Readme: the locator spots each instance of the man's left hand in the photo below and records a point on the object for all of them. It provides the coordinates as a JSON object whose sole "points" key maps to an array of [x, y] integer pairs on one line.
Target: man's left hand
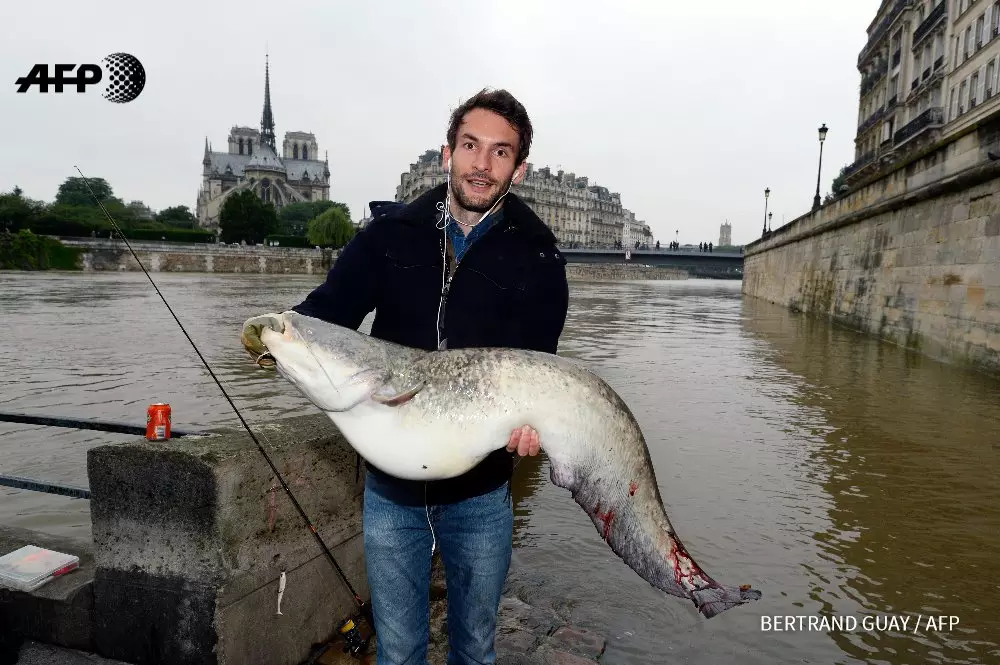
{"points": [[524, 440]]}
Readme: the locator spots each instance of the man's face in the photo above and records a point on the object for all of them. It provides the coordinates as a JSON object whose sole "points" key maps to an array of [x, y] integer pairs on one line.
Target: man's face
{"points": [[483, 162]]}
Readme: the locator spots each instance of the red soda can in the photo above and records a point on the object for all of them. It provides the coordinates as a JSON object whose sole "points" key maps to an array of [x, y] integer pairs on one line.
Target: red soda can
{"points": [[158, 422]]}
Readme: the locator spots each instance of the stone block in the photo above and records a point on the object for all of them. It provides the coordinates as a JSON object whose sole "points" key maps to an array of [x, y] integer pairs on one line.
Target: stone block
{"points": [[557, 657], [992, 226], [191, 535], [36, 653], [579, 641], [60, 612]]}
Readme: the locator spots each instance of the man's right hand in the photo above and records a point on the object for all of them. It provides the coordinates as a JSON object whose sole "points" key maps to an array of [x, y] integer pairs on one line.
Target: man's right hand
{"points": [[250, 337]]}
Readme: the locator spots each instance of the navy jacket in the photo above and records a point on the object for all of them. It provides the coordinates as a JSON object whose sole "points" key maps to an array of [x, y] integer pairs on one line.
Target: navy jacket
{"points": [[509, 290]]}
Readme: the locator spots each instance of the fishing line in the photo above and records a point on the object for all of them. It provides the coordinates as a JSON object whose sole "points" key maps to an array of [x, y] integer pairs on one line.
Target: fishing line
{"points": [[365, 609]]}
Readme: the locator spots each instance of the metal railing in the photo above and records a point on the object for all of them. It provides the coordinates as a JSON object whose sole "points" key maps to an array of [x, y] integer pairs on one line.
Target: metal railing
{"points": [[870, 122], [862, 161], [879, 32], [929, 23], [932, 117]]}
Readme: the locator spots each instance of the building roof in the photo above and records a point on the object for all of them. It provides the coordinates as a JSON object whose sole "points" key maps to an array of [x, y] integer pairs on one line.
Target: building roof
{"points": [[294, 168], [265, 159]]}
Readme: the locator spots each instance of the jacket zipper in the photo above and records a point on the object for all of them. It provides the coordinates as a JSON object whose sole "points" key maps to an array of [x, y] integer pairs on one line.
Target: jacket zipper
{"points": [[449, 276]]}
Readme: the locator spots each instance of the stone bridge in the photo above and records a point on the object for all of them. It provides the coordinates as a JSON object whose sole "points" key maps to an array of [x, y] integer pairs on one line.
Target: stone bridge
{"points": [[725, 265]]}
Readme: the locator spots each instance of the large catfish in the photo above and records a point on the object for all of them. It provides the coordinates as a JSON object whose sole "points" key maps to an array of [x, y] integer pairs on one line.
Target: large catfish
{"points": [[431, 415]]}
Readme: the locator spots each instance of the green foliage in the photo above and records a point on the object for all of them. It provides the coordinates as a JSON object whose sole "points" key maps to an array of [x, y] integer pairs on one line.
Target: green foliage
{"points": [[244, 217], [838, 187], [74, 192], [17, 212], [295, 217], [26, 251], [177, 216], [287, 241], [331, 229]]}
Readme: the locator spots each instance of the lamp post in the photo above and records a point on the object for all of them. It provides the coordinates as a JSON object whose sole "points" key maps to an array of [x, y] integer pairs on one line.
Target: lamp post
{"points": [[767, 193], [822, 137]]}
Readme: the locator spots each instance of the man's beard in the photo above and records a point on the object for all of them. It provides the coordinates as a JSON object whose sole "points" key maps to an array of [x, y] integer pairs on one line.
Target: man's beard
{"points": [[477, 204]]}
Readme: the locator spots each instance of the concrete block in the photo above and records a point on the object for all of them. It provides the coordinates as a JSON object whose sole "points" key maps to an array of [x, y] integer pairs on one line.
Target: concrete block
{"points": [[191, 536], [35, 653], [60, 612]]}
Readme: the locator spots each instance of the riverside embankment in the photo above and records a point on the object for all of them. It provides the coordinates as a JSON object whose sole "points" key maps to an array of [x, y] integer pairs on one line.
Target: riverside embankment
{"points": [[912, 257], [98, 255]]}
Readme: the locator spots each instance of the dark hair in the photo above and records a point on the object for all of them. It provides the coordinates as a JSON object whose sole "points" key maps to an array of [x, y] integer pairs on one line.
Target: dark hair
{"points": [[503, 104]]}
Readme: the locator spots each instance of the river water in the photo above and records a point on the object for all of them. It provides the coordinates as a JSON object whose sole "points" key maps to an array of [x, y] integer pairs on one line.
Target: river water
{"points": [[843, 477]]}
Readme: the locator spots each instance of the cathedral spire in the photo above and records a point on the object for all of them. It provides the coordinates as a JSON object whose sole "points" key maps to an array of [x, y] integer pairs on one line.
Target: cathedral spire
{"points": [[267, 118]]}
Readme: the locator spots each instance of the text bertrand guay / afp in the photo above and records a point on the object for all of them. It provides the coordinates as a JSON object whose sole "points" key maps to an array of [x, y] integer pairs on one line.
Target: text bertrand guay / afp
{"points": [[891, 622]]}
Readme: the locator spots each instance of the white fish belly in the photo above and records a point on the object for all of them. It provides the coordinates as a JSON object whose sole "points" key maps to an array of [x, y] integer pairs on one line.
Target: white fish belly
{"points": [[413, 450]]}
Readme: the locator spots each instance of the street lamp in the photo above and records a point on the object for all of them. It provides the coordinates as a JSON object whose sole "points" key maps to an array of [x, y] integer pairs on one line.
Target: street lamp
{"points": [[767, 193], [822, 137]]}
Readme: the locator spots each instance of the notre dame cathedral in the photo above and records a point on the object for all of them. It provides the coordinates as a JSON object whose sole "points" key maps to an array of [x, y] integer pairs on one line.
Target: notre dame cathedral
{"points": [[252, 163]]}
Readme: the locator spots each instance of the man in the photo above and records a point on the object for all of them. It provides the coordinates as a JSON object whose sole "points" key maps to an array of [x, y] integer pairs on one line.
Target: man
{"points": [[487, 273]]}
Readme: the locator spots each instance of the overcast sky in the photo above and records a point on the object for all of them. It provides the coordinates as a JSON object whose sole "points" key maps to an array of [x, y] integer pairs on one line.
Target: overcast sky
{"points": [[688, 109]]}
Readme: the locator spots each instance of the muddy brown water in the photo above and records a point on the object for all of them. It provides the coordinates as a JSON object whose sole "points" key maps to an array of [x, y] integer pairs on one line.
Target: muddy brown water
{"points": [[843, 477]]}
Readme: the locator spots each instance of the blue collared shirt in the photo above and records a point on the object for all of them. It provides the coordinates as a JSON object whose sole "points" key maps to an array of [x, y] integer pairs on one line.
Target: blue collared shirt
{"points": [[462, 242]]}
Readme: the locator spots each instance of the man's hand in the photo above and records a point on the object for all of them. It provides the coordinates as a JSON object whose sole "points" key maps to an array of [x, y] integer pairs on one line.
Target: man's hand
{"points": [[524, 440], [250, 337]]}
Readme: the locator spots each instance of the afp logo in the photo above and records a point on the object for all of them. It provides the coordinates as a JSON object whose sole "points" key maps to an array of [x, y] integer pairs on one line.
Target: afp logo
{"points": [[126, 77]]}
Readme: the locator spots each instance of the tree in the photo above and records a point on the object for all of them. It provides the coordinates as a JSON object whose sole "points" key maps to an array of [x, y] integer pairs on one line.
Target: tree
{"points": [[295, 217], [74, 191], [17, 212], [177, 216], [333, 228], [244, 217], [838, 186]]}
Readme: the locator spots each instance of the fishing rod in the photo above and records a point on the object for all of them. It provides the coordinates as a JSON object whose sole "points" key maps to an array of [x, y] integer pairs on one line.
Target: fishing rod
{"points": [[347, 628]]}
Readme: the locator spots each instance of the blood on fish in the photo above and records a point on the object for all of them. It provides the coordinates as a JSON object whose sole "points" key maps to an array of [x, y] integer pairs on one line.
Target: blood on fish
{"points": [[677, 556], [632, 488], [607, 518]]}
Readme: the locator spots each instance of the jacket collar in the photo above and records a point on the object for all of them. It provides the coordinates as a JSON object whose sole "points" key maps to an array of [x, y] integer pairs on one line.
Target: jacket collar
{"points": [[423, 211]]}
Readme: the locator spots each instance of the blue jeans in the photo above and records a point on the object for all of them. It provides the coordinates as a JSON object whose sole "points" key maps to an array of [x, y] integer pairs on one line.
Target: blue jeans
{"points": [[475, 537]]}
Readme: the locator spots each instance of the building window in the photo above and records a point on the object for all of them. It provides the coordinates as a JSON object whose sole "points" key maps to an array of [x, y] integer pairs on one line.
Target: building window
{"points": [[305, 152], [990, 70], [295, 151], [996, 18], [265, 190], [968, 42], [979, 31], [249, 146], [241, 146], [962, 97], [973, 89]]}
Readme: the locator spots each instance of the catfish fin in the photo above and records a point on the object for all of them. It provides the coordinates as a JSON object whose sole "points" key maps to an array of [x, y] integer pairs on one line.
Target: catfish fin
{"points": [[386, 395], [354, 390]]}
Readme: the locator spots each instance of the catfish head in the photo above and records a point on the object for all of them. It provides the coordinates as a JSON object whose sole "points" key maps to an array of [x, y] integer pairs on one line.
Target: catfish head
{"points": [[335, 367]]}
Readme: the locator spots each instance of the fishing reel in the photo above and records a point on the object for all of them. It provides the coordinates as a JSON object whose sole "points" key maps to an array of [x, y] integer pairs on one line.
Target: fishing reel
{"points": [[354, 643]]}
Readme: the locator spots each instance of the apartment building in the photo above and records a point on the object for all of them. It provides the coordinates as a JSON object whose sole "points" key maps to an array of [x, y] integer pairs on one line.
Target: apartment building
{"points": [[580, 214], [927, 72]]}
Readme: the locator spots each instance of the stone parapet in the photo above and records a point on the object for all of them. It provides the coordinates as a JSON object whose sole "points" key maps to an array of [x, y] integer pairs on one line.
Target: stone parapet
{"points": [[191, 536]]}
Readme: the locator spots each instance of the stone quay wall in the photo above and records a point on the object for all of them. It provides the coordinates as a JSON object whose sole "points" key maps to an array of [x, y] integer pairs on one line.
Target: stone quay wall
{"points": [[113, 255], [106, 254], [620, 272], [912, 257]]}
